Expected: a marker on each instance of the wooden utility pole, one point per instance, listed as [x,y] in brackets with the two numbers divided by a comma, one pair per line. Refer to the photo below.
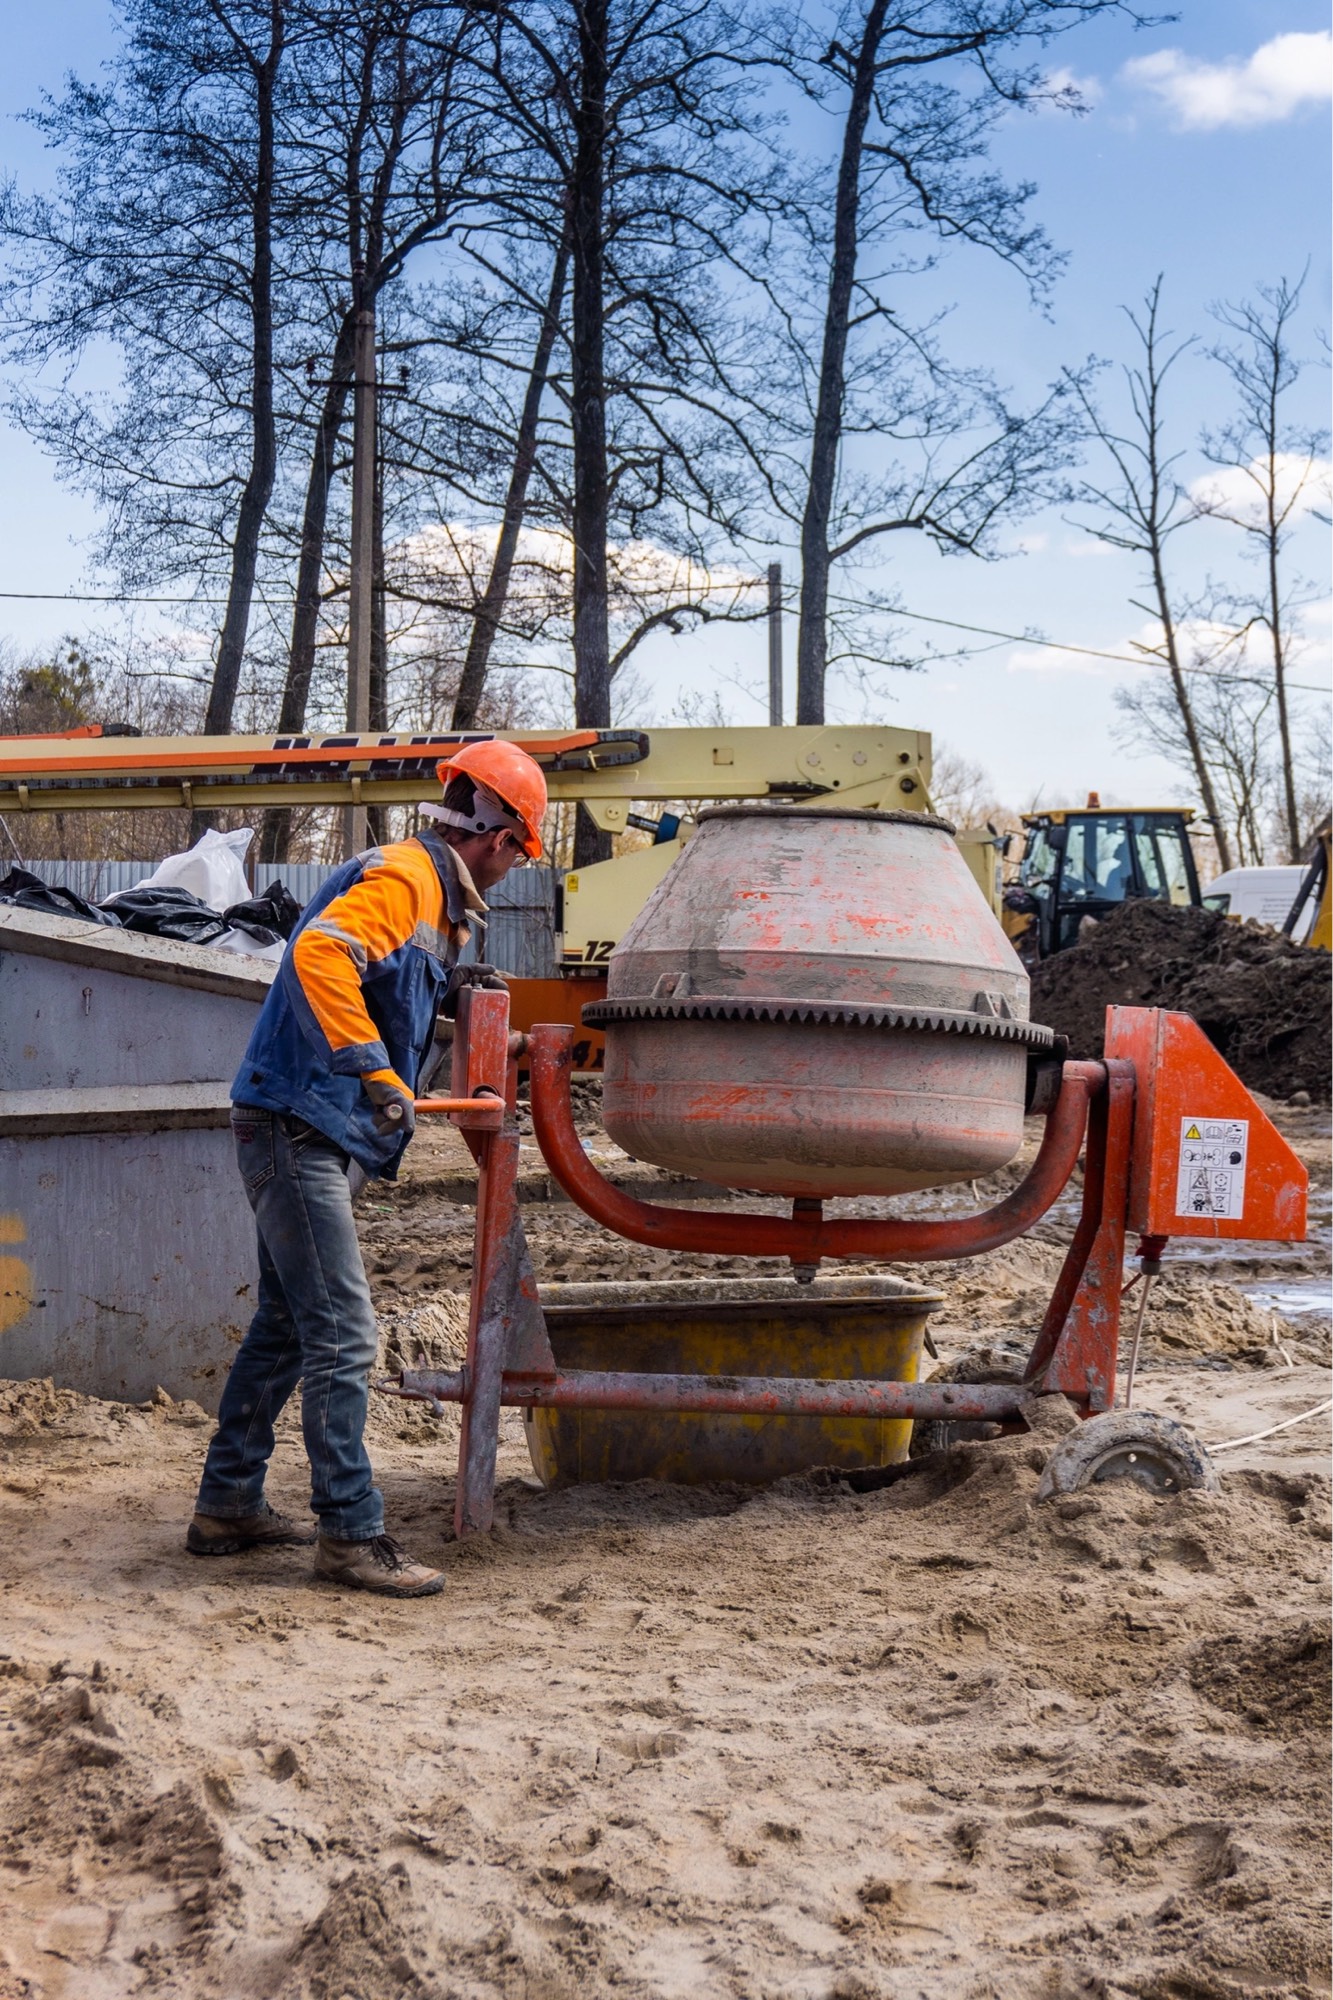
[775,644]
[361,584]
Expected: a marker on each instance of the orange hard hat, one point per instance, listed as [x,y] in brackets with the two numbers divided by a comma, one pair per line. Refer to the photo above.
[510,776]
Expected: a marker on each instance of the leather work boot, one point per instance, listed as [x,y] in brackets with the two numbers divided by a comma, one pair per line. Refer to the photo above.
[383,1565]
[212,1535]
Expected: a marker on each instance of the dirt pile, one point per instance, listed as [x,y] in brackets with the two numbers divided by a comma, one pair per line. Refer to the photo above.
[37,1408]
[672,1743]
[1263,1002]
[681,1743]
[431,1332]
[1191,1312]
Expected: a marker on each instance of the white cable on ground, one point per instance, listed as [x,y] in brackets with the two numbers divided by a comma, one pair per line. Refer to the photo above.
[1255,1436]
[1138,1335]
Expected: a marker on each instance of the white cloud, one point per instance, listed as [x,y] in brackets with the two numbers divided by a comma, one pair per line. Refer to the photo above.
[459,548]
[1067,660]
[1302,483]
[1089,549]
[1200,642]
[1278,79]
[1066,87]
[1058,660]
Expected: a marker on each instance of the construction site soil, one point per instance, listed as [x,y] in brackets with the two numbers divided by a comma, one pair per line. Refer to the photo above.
[932,1742]
[1263,1001]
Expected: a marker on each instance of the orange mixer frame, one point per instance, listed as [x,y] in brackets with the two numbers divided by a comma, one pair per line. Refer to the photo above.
[1173,1145]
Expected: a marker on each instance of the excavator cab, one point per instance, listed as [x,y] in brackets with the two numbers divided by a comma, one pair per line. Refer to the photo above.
[1079,865]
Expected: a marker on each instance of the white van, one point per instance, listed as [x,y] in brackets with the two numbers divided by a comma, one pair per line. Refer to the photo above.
[1264,895]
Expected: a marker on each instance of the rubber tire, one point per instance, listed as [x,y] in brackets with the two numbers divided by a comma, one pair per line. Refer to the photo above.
[1153,1452]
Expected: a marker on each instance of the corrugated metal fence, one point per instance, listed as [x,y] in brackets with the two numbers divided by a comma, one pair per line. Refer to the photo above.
[520,931]
[520,934]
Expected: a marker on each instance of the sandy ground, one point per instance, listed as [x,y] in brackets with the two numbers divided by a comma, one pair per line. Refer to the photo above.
[934,1742]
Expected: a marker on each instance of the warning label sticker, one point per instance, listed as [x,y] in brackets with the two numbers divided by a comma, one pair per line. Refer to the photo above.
[1212,1167]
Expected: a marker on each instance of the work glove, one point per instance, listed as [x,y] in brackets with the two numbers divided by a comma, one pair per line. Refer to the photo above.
[469,975]
[395,1112]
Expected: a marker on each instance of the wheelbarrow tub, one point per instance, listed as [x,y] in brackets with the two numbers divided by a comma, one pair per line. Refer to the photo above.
[842,1328]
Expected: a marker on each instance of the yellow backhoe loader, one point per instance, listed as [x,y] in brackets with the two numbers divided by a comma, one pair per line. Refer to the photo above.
[1078,864]
[1318,889]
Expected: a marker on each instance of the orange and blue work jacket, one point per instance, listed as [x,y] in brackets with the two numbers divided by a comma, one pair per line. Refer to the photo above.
[358,993]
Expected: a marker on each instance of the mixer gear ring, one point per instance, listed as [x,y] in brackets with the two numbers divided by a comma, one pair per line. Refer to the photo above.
[698,1007]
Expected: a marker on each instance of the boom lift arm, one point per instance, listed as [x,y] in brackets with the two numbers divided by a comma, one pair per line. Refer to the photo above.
[610,771]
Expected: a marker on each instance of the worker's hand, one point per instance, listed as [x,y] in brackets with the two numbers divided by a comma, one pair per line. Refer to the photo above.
[395,1112]
[469,975]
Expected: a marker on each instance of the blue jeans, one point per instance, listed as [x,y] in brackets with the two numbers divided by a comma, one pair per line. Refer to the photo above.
[314,1324]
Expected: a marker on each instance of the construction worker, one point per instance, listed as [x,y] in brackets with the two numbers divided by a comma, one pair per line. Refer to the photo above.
[329,1078]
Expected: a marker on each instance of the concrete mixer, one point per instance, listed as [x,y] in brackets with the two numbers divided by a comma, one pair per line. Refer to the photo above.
[817,1005]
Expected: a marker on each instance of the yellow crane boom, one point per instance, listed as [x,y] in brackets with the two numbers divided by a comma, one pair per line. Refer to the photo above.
[610,771]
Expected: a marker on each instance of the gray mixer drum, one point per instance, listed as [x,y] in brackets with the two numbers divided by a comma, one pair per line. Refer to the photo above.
[817,1003]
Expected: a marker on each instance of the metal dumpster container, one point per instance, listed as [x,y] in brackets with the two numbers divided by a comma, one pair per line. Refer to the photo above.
[127,1255]
[862,1328]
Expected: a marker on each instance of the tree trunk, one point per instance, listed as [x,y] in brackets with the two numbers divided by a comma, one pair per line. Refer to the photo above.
[1154,373]
[592,646]
[258,489]
[1275,355]
[1207,790]
[812,630]
[486,623]
[275,841]
[377,817]
[1290,809]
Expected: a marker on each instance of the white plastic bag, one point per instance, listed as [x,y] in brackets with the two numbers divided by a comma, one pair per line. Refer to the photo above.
[235,940]
[213,869]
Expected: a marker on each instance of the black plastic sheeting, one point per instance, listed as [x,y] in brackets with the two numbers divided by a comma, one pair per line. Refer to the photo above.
[165,912]
[29,892]
[277,910]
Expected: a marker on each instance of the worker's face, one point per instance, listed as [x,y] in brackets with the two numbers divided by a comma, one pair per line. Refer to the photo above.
[488,857]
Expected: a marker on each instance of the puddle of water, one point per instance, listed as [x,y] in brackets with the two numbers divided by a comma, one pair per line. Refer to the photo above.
[1312,1299]
[1241,1254]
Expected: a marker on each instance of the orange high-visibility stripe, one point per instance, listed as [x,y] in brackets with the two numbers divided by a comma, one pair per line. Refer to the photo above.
[237,760]
[379,913]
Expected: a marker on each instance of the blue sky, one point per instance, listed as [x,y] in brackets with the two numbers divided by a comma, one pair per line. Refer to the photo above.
[1204,155]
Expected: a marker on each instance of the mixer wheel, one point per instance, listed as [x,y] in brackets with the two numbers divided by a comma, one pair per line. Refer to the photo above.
[1152,1451]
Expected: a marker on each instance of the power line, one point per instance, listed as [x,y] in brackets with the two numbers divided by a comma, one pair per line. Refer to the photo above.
[852,604]
[99,597]
[1057,645]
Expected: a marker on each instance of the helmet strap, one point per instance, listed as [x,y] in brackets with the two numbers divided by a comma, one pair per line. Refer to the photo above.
[488,815]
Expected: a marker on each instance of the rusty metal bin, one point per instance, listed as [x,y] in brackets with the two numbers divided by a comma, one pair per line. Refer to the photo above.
[855,1328]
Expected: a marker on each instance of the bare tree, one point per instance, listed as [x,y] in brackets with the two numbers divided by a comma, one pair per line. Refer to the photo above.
[925,83]
[963,790]
[394,160]
[118,680]
[1141,511]
[591,496]
[160,241]
[263,63]
[1231,707]
[1268,466]
[632,116]
[490,610]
